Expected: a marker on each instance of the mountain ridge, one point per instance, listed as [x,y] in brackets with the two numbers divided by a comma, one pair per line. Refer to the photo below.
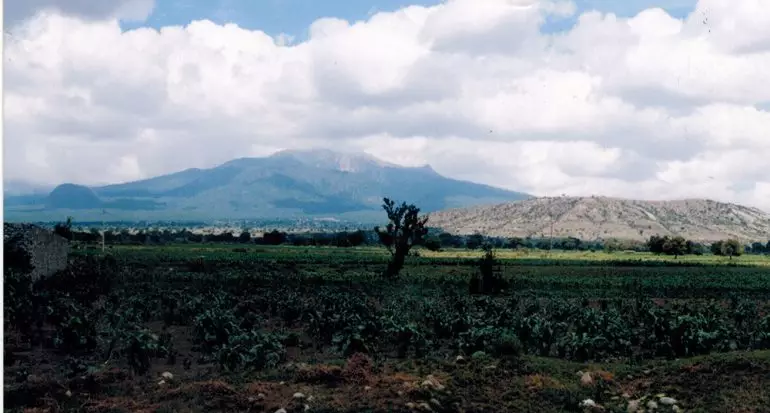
[288,183]
[598,217]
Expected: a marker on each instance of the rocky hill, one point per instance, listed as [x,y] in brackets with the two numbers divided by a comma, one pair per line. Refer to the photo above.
[591,218]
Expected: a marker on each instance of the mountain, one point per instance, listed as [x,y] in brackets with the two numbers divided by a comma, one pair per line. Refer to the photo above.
[591,218]
[293,183]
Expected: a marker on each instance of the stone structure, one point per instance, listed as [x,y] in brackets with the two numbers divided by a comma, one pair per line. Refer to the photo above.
[48,251]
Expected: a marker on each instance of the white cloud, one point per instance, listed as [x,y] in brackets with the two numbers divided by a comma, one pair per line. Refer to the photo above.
[644,107]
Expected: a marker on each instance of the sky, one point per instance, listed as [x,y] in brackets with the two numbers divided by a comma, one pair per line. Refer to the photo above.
[637,98]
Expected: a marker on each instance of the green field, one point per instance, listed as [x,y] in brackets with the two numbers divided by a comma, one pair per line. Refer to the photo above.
[244,328]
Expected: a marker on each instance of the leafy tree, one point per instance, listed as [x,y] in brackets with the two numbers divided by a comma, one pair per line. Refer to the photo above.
[491,280]
[274,237]
[245,237]
[732,248]
[356,238]
[474,241]
[64,229]
[450,241]
[432,243]
[717,248]
[405,229]
[515,243]
[694,248]
[675,246]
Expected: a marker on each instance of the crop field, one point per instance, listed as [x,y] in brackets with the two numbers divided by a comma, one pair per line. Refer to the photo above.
[260,329]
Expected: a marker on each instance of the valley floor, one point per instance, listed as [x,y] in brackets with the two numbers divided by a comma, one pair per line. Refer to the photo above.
[252,329]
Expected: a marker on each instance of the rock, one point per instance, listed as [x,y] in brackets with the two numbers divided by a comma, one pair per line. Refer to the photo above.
[68,393]
[435,402]
[310,398]
[261,396]
[410,405]
[307,407]
[667,401]
[281,410]
[252,399]
[367,388]
[282,383]
[588,403]
[34,379]
[647,372]
[652,405]
[424,407]
[676,408]
[460,360]
[626,396]
[162,383]
[298,395]
[167,375]
[633,406]
[586,380]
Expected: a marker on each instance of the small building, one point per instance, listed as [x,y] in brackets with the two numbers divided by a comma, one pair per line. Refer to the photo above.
[48,252]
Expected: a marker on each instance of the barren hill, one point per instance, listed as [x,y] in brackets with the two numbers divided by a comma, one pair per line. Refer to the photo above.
[592,218]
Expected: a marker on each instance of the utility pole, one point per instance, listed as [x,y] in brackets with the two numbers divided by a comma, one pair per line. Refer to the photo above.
[104,211]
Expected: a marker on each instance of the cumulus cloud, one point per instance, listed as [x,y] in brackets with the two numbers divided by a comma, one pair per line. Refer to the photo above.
[649,106]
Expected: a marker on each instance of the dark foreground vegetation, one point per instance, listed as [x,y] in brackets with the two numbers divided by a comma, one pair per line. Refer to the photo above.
[256,328]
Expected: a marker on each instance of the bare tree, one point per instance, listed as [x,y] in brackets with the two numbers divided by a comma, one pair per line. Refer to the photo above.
[405,229]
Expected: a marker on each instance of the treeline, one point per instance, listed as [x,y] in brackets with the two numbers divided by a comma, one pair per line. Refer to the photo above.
[434,241]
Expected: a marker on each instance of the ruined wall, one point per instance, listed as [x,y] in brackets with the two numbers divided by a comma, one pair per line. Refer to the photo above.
[48,251]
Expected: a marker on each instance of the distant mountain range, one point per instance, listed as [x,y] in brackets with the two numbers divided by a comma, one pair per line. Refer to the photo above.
[592,218]
[293,183]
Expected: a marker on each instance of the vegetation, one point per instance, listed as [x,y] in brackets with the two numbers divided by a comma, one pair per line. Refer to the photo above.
[243,326]
[241,316]
[405,229]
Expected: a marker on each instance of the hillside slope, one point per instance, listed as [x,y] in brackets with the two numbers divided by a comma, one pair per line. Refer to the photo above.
[287,184]
[591,218]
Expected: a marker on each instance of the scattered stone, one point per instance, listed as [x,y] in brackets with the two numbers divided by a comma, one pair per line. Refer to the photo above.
[282,383]
[298,395]
[626,396]
[652,405]
[633,406]
[162,383]
[667,401]
[460,360]
[167,375]
[579,373]
[400,393]
[34,379]
[68,393]
[410,405]
[307,407]
[425,406]
[586,380]
[281,410]
[432,382]
[261,396]
[435,402]
[647,372]
[588,403]
[367,388]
